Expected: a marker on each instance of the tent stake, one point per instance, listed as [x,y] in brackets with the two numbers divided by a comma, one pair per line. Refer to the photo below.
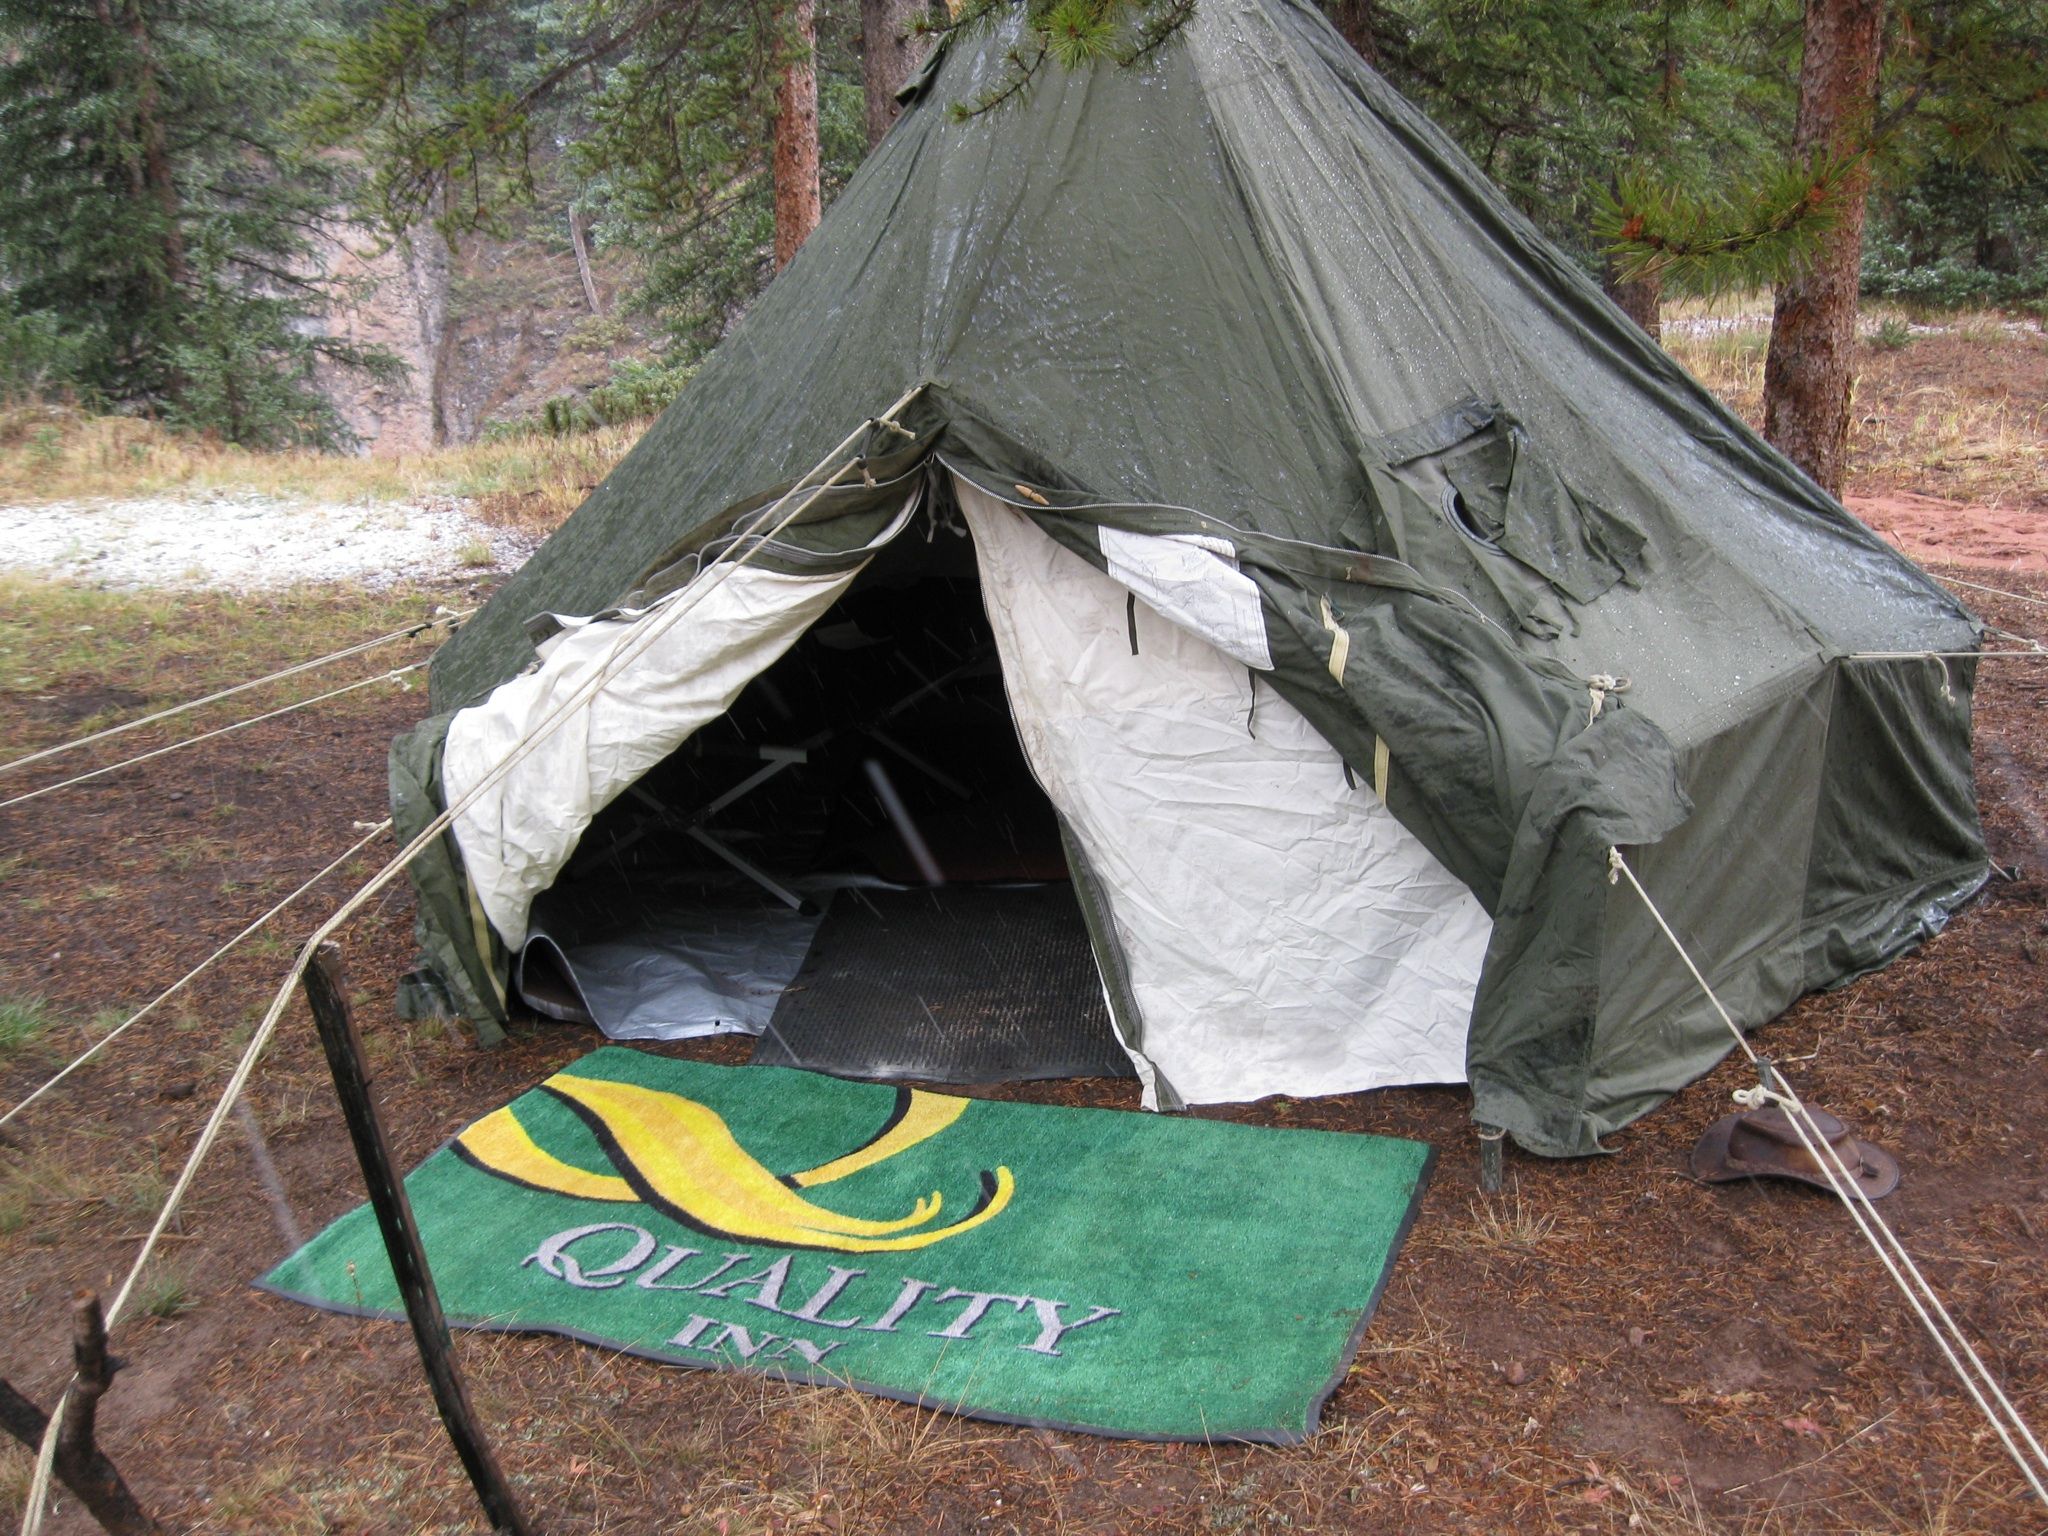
[327,994]
[1491,1139]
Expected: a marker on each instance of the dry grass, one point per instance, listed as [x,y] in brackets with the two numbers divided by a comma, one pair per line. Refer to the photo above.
[530,481]
[1948,405]
[1509,1221]
[118,655]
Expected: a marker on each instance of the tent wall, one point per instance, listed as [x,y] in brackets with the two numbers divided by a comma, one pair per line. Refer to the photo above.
[1280,931]
[1822,843]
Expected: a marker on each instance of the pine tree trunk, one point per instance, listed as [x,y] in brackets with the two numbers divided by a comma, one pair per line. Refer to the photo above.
[889,56]
[796,133]
[150,173]
[1809,368]
[1360,23]
[1641,299]
[581,246]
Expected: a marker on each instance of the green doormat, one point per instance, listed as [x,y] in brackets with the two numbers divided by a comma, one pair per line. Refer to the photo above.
[1087,1269]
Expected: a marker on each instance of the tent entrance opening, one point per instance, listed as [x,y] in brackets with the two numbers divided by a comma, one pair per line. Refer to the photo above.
[854,863]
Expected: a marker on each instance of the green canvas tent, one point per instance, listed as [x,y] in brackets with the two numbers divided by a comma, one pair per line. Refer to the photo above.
[1357,575]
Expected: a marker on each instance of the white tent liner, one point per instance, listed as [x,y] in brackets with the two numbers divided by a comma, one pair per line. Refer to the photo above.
[1283,933]
[519,834]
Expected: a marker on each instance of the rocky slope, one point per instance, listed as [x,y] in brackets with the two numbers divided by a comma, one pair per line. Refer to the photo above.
[489,330]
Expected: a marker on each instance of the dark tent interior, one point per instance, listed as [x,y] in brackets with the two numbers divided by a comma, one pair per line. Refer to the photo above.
[854,863]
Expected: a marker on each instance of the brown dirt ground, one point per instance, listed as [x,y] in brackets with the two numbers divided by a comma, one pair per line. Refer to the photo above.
[1610,1347]
[1934,531]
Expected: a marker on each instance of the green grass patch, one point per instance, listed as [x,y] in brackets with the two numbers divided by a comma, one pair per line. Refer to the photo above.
[23,1021]
[165,1293]
[145,651]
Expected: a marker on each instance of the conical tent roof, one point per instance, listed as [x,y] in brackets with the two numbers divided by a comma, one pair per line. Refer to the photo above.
[1504,545]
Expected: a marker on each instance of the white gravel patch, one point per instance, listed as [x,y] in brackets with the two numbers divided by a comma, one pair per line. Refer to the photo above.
[1867,325]
[249,542]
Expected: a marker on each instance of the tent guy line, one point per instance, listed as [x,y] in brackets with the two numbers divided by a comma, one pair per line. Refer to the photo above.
[1924,1300]
[35,1505]
[1978,586]
[397,675]
[443,616]
[192,975]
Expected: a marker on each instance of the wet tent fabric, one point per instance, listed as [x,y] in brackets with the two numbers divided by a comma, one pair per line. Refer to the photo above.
[1244,292]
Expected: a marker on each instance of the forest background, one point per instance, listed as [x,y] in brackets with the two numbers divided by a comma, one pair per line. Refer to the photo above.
[198,194]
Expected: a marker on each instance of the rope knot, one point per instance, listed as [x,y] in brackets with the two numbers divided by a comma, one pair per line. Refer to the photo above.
[1614,866]
[1601,685]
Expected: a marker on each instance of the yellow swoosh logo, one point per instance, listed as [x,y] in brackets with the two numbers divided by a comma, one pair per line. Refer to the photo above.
[680,1157]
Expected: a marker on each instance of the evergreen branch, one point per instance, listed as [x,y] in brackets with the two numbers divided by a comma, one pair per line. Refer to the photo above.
[1714,242]
[1017,76]
[1071,33]
[970,17]
[1159,29]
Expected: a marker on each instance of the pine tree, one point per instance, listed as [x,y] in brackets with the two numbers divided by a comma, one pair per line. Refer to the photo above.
[156,216]
[662,99]
[1566,102]
[798,203]
[1809,368]
[892,46]
[1885,89]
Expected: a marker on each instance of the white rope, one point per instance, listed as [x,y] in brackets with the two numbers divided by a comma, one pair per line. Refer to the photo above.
[192,975]
[397,675]
[447,616]
[1978,586]
[624,652]
[2038,653]
[1842,1180]
[2011,1428]
[2032,650]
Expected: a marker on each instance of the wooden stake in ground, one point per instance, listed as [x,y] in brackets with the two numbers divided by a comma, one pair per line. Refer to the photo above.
[582,249]
[327,993]
[80,1465]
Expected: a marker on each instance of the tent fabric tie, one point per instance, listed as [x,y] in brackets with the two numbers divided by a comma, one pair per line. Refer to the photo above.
[443,616]
[629,647]
[2013,1432]
[1340,643]
[1602,686]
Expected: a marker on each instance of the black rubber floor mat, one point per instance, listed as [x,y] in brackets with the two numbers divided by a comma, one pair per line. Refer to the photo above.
[963,984]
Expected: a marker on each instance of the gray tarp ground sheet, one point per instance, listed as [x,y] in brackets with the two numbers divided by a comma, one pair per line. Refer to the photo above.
[665,970]
[1244,288]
